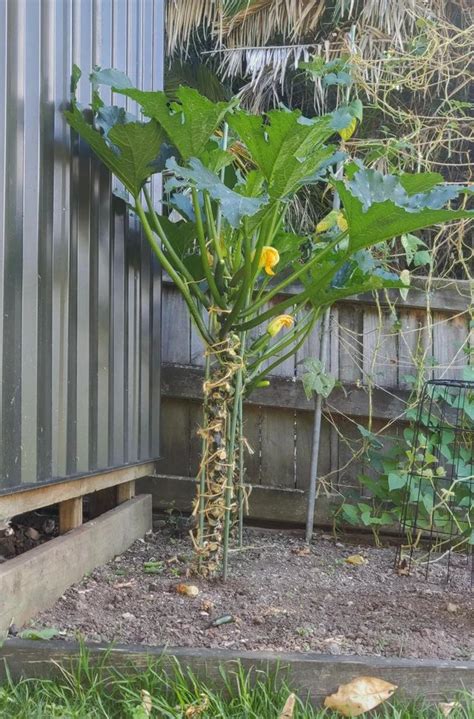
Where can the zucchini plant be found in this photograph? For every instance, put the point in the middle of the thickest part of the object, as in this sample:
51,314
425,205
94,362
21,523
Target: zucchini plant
254,289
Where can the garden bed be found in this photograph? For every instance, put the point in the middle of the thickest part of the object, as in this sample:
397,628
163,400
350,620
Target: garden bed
280,598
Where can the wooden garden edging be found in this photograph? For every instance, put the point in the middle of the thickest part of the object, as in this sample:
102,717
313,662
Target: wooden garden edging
34,580
316,675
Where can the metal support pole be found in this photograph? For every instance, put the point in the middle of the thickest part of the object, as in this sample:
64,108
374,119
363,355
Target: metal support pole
313,476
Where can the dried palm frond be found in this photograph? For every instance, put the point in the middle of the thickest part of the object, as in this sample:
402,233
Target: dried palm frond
262,20
237,22
185,17
392,17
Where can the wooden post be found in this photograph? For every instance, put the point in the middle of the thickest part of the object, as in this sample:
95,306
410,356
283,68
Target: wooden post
125,491
70,514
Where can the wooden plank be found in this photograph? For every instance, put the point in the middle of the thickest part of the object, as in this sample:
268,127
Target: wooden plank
125,492
445,295
304,443
34,580
278,448
253,436
287,368
32,498
310,349
350,323
281,505
348,468
309,674
287,393
195,440
380,348
450,337
70,514
413,339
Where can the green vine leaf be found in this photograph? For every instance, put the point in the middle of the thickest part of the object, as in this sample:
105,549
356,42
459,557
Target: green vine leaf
316,380
397,480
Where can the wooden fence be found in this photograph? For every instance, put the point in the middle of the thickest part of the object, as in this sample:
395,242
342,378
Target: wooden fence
373,343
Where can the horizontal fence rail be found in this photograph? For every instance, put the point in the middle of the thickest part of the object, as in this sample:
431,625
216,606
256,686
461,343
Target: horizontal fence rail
374,349
79,289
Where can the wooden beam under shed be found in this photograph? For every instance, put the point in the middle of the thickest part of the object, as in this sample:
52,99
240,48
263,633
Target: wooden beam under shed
70,514
32,498
125,492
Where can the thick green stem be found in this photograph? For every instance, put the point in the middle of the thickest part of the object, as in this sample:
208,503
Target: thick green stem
294,300
212,226
174,259
278,289
242,298
285,341
203,249
271,367
266,237
172,272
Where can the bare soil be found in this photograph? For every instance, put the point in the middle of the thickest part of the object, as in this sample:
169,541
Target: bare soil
279,596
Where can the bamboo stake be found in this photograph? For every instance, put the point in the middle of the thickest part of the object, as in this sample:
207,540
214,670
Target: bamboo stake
241,473
230,472
202,472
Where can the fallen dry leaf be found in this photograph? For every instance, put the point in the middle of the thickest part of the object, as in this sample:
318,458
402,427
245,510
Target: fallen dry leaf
301,551
147,703
195,710
359,696
274,611
403,570
356,559
447,707
289,708
337,639
189,590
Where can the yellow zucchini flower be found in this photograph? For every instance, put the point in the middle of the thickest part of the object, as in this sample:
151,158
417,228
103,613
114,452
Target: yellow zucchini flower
268,259
335,217
278,323
341,222
347,132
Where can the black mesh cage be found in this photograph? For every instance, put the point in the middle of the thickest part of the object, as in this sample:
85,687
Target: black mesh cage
437,518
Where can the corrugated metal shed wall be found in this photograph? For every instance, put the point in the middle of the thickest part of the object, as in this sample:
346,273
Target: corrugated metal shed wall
79,300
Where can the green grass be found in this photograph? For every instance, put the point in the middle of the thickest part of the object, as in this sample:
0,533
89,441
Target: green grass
98,692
